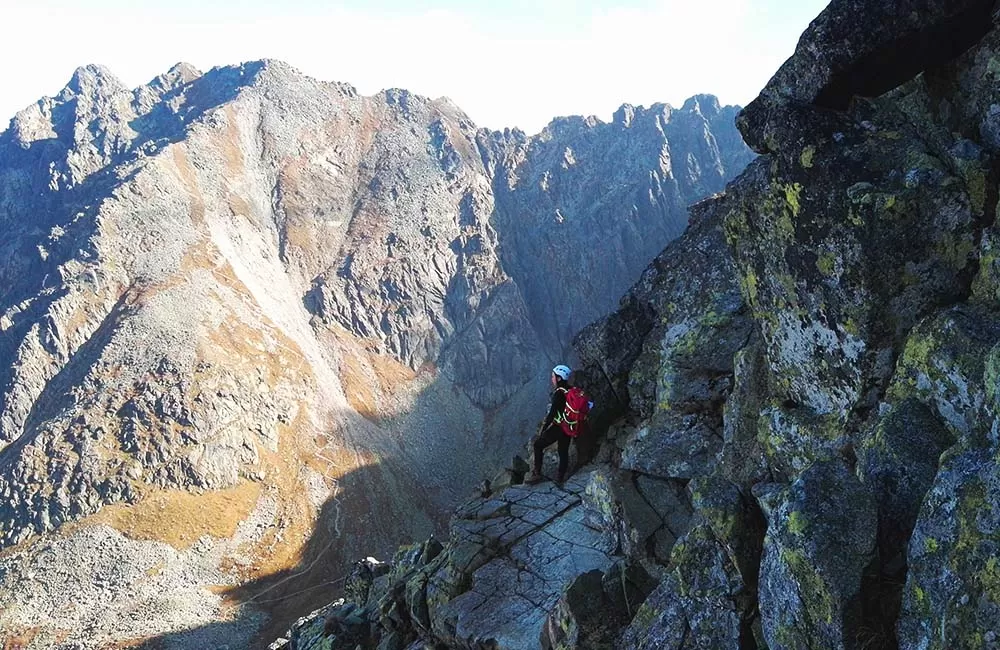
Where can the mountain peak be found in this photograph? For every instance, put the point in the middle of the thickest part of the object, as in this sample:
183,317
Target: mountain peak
92,78
624,115
185,71
707,105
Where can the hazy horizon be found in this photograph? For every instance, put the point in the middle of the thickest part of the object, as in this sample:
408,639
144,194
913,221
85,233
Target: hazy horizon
519,65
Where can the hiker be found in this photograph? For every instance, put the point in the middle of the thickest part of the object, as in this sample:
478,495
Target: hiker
562,423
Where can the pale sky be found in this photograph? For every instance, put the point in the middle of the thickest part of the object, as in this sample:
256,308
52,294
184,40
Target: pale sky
506,63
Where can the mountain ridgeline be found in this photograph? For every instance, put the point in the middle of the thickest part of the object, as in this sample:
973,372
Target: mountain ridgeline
249,320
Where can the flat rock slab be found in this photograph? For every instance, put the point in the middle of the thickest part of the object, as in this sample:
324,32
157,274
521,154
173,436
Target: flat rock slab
548,545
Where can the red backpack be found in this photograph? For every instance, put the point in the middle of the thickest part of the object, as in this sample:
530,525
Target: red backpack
575,414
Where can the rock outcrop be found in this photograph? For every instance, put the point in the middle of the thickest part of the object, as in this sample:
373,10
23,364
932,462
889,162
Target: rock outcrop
798,398
249,296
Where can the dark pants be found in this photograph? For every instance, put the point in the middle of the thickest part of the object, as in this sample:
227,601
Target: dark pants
586,445
553,434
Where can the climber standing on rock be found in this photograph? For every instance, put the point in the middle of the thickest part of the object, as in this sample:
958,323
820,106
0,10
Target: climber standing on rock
561,424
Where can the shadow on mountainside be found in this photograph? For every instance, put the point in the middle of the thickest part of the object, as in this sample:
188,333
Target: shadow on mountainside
361,519
403,498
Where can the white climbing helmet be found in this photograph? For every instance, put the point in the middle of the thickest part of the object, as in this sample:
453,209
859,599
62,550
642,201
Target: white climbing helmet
562,371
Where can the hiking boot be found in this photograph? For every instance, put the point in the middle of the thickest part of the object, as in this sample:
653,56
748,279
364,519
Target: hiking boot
534,478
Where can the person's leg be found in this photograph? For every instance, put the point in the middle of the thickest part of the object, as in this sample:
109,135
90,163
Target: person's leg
564,441
585,446
544,439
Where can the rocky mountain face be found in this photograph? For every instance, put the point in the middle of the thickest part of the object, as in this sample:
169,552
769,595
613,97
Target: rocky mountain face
799,422
555,219
255,326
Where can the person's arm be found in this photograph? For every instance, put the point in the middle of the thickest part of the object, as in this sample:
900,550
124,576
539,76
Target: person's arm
558,406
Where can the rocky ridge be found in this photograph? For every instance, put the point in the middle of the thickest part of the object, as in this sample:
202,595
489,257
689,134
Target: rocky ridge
244,310
799,395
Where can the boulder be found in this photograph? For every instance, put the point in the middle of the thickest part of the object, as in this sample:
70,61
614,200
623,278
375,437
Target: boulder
863,48
952,593
951,362
673,447
584,617
898,459
695,606
670,347
616,504
820,540
814,235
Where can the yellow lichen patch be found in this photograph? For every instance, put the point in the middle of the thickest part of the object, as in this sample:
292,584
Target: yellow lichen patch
796,523
826,263
955,250
748,283
989,579
180,518
807,156
793,193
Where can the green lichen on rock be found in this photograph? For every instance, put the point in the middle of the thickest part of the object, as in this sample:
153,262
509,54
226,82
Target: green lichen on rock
948,364
795,438
986,285
989,579
827,263
820,540
952,595
955,251
792,195
697,601
898,457
796,523
975,178
748,284
806,157
816,599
